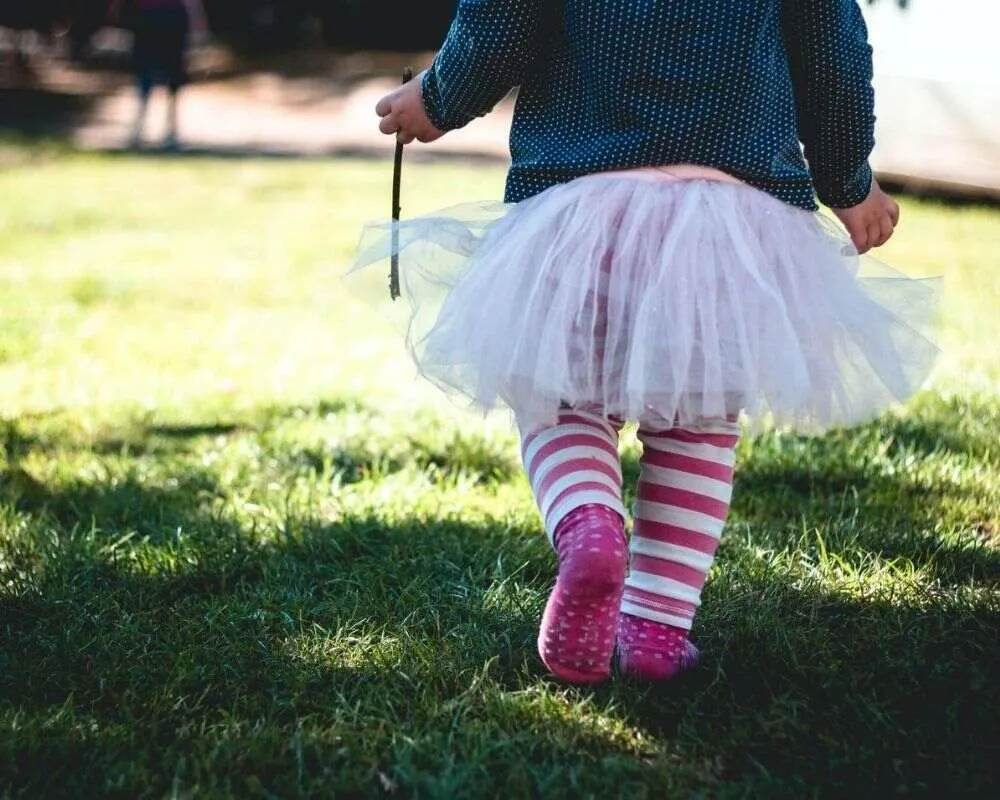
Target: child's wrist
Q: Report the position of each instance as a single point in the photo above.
(433, 102)
(847, 193)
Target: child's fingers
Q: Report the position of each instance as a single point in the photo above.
(429, 135)
(403, 114)
(894, 213)
(389, 124)
(886, 228)
(875, 237)
(384, 106)
(859, 236)
(856, 233)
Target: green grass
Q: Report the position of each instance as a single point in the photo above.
(243, 553)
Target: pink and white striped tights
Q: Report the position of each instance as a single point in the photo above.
(647, 607)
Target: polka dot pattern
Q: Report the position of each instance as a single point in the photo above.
(619, 84)
(652, 651)
(577, 636)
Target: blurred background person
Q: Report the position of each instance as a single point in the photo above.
(162, 31)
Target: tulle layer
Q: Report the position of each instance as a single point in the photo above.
(667, 302)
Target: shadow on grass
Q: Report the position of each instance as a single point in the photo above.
(814, 690)
(396, 640)
(145, 435)
(366, 652)
(202, 642)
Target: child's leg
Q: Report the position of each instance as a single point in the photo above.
(575, 473)
(173, 26)
(684, 491)
(144, 88)
(172, 97)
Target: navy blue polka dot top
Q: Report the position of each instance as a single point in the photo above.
(617, 84)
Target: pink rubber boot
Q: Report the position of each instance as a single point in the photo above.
(577, 636)
(653, 651)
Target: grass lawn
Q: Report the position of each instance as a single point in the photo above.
(244, 554)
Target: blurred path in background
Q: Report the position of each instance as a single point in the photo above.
(303, 104)
(934, 136)
(937, 68)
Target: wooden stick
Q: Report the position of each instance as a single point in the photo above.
(397, 168)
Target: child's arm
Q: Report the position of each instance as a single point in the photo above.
(482, 58)
(831, 67)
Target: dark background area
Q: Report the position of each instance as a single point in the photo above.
(260, 25)
(269, 24)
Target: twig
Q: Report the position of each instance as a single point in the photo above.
(397, 168)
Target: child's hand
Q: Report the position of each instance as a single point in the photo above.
(403, 114)
(871, 222)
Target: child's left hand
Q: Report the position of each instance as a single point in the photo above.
(403, 114)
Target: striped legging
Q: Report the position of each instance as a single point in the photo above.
(684, 491)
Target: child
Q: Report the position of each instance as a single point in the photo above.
(659, 259)
(161, 30)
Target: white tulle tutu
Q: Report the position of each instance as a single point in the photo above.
(666, 302)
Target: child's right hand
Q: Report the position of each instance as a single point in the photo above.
(871, 222)
(403, 114)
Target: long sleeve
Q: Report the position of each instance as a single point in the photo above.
(488, 45)
(831, 66)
